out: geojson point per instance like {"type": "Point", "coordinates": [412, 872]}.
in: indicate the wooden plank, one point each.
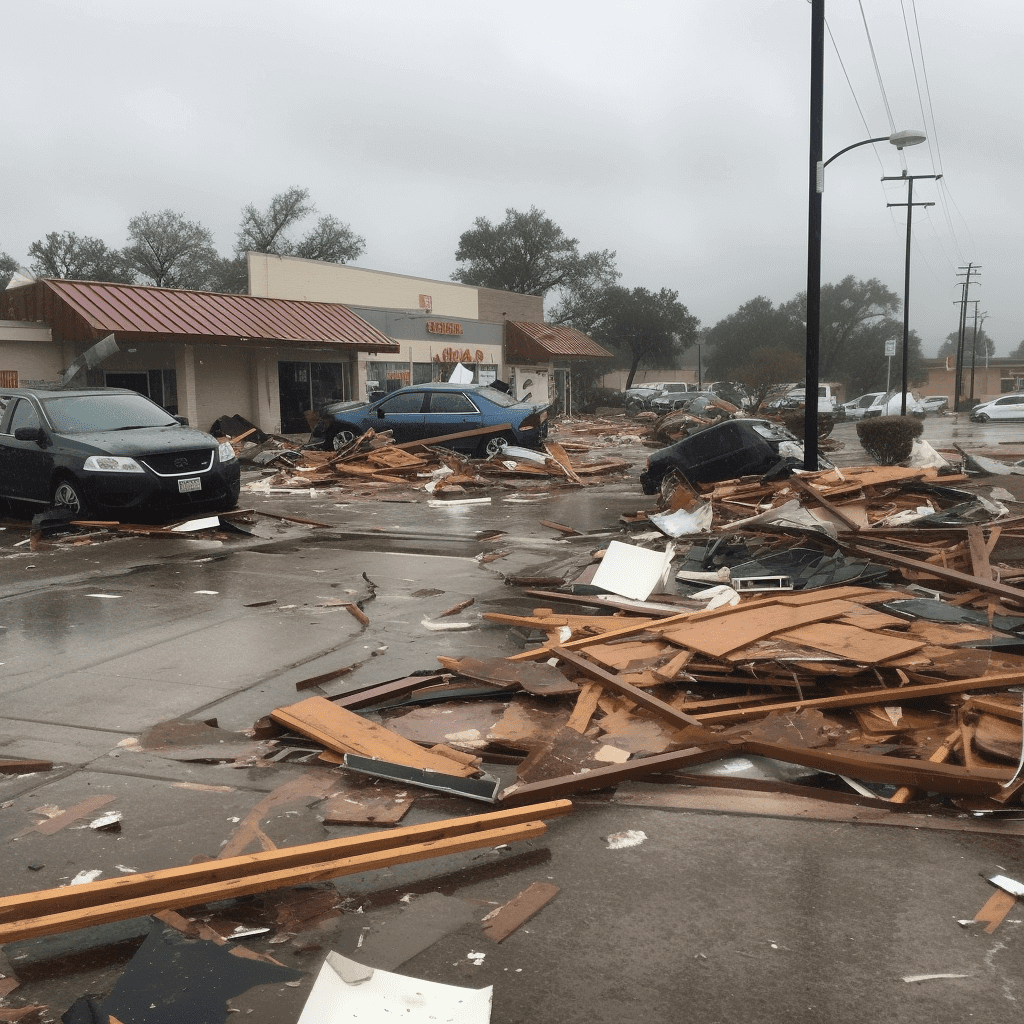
{"type": "Point", "coordinates": [640, 697]}
{"type": "Point", "coordinates": [863, 646]}
{"type": "Point", "coordinates": [501, 923]}
{"type": "Point", "coordinates": [586, 705]}
{"type": "Point", "coordinates": [814, 493]}
{"type": "Point", "coordinates": [23, 766]}
{"type": "Point", "coordinates": [53, 923]}
{"type": "Point", "coordinates": [979, 553]}
{"type": "Point", "coordinates": [718, 638]}
{"type": "Point", "coordinates": [408, 445]}
{"type": "Point", "coordinates": [210, 873]}
{"type": "Point", "coordinates": [941, 572]}
{"type": "Point", "coordinates": [935, 778]}
{"type": "Point", "coordinates": [998, 905]}
{"type": "Point", "coordinates": [883, 695]}
{"type": "Point", "coordinates": [939, 756]}
{"type": "Point", "coordinates": [340, 730]}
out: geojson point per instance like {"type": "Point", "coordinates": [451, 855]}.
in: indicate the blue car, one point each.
{"type": "Point", "coordinates": [426, 411]}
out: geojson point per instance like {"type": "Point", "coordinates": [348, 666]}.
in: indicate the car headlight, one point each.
{"type": "Point", "coordinates": [111, 464]}
{"type": "Point", "coordinates": [225, 452]}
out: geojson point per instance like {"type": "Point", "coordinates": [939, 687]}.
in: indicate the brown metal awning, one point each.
{"type": "Point", "coordinates": [78, 311]}
{"type": "Point", "coordinates": [539, 343]}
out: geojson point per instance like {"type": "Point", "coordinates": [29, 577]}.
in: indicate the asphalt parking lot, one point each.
{"type": "Point", "coordinates": [741, 911]}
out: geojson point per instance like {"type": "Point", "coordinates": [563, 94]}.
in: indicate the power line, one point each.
{"type": "Point", "coordinates": [878, 72]}
{"type": "Point", "coordinates": [917, 83]}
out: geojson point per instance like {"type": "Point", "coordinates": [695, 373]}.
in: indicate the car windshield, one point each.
{"type": "Point", "coordinates": [78, 414]}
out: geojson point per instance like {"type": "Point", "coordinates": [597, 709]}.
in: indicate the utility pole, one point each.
{"type": "Point", "coordinates": [965, 273]}
{"type": "Point", "coordinates": [974, 345]}
{"type": "Point", "coordinates": [909, 204]}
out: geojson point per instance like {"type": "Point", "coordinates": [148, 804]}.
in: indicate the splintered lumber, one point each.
{"type": "Point", "coordinates": [610, 682]}
{"type": "Point", "coordinates": [863, 646]}
{"type": "Point", "coordinates": [64, 909]}
{"type": "Point", "coordinates": [860, 698]}
{"type": "Point", "coordinates": [444, 438]}
{"type": "Point", "coordinates": [930, 776]}
{"type": "Point", "coordinates": [814, 493]}
{"type": "Point", "coordinates": [346, 733]}
{"type": "Point", "coordinates": [598, 778]}
{"type": "Point", "coordinates": [940, 756]}
{"type": "Point", "coordinates": [963, 579]}
{"type": "Point", "coordinates": [499, 924]}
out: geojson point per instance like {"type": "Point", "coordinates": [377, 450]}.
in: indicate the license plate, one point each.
{"type": "Point", "coordinates": [191, 484]}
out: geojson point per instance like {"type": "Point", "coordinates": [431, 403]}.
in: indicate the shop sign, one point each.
{"type": "Point", "coordinates": [459, 355]}
{"type": "Point", "coordinates": [443, 327]}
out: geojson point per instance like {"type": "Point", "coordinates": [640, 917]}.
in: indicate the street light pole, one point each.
{"type": "Point", "coordinates": [817, 185]}
{"type": "Point", "coordinates": [814, 235]}
{"type": "Point", "coordinates": [909, 204]}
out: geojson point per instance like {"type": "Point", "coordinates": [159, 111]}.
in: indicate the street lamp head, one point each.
{"type": "Point", "coordinates": [910, 137]}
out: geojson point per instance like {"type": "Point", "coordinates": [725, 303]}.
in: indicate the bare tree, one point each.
{"type": "Point", "coordinates": [267, 230]}
{"type": "Point", "coordinates": [77, 257]}
{"type": "Point", "coordinates": [768, 369]}
{"type": "Point", "coordinates": [169, 250]}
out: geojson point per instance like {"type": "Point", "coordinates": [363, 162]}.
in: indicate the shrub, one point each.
{"type": "Point", "coordinates": [889, 439]}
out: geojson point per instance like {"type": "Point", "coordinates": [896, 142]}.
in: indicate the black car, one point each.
{"type": "Point", "coordinates": [722, 452]}
{"type": "Point", "coordinates": [109, 452]}
{"type": "Point", "coordinates": [436, 410]}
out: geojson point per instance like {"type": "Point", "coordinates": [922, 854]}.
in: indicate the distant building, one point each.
{"type": "Point", "coordinates": [993, 376]}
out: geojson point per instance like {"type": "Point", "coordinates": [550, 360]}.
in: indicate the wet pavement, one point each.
{"type": "Point", "coordinates": [716, 916]}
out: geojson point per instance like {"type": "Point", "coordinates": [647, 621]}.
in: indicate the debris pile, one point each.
{"type": "Point", "coordinates": [429, 466]}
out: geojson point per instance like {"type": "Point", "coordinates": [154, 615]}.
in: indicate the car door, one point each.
{"type": "Point", "coordinates": [452, 412]}
{"type": "Point", "coordinates": [27, 466]}
{"type": "Point", "coordinates": [402, 414]}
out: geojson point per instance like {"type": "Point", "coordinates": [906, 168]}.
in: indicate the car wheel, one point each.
{"type": "Point", "coordinates": [339, 437]}
{"type": "Point", "coordinates": [67, 497]}
{"type": "Point", "coordinates": [494, 446]}
{"type": "Point", "coordinates": [980, 418]}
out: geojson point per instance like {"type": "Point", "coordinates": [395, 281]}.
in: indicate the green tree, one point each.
{"type": "Point", "coordinates": [867, 368]}
{"type": "Point", "coordinates": [985, 345]}
{"type": "Point", "coordinates": [645, 326]}
{"type": "Point", "coordinates": [757, 324]}
{"type": "Point", "coordinates": [1018, 352]}
{"type": "Point", "coordinates": [78, 258]}
{"type": "Point", "coordinates": [767, 369]}
{"type": "Point", "coordinates": [8, 265]}
{"type": "Point", "coordinates": [851, 312]}
{"type": "Point", "coordinates": [170, 251]}
{"type": "Point", "coordinates": [268, 230]}
{"type": "Point", "coordinates": [529, 253]}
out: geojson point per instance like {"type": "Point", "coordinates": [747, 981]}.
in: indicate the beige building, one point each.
{"type": "Point", "coordinates": [198, 354]}
{"type": "Point", "coordinates": [494, 334]}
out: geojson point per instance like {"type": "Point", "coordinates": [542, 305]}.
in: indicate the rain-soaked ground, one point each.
{"type": "Point", "coordinates": [739, 914]}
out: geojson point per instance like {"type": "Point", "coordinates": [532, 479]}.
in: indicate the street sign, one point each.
{"type": "Point", "coordinates": [890, 347]}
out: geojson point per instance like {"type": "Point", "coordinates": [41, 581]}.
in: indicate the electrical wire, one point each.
{"type": "Point", "coordinates": [917, 86]}
{"type": "Point", "coordinates": [878, 72]}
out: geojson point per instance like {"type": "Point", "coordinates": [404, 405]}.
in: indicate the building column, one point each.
{"type": "Point", "coordinates": [266, 393]}
{"type": "Point", "coordinates": [185, 376]}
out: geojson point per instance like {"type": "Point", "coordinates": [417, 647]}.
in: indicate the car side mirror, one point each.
{"type": "Point", "coordinates": [182, 420]}
{"type": "Point", "coordinates": [30, 434]}
{"type": "Point", "coordinates": [380, 414]}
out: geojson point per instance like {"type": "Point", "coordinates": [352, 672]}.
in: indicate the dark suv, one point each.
{"type": "Point", "coordinates": [109, 452]}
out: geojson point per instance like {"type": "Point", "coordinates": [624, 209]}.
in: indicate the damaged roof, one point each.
{"type": "Point", "coordinates": [530, 343]}
{"type": "Point", "coordinates": [87, 310]}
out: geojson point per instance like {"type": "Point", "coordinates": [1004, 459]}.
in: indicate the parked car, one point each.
{"type": "Point", "coordinates": [935, 403]}
{"type": "Point", "coordinates": [732, 391]}
{"type": "Point", "coordinates": [1005, 407]}
{"type": "Point", "coordinates": [858, 407]}
{"type": "Point", "coordinates": [438, 410]}
{"type": "Point", "coordinates": [639, 398]}
{"type": "Point", "coordinates": [795, 399]}
{"type": "Point", "coordinates": [109, 452]}
{"type": "Point", "coordinates": [726, 450]}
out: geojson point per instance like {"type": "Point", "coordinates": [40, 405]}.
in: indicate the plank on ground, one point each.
{"type": "Point", "coordinates": [344, 732]}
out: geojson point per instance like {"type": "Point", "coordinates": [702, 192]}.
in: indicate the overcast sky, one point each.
{"type": "Point", "coordinates": [673, 132]}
